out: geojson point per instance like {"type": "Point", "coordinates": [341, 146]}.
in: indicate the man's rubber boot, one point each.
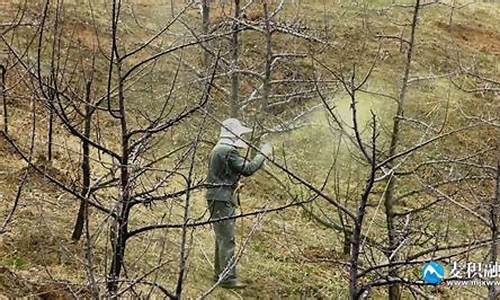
{"type": "Point", "coordinates": [233, 285]}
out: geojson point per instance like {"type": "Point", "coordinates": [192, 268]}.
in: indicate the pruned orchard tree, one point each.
{"type": "Point", "coordinates": [132, 120]}
{"type": "Point", "coordinates": [117, 159]}
{"type": "Point", "coordinates": [414, 189]}
{"type": "Point", "coordinates": [120, 169]}
{"type": "Point", "coordinates": [270, 86]}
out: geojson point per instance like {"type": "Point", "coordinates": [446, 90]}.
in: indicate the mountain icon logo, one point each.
{"type": "Point", "coordinates": [432, 272]}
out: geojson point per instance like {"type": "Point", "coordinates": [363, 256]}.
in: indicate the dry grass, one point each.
{"type": "Point", "coordinates": [288, 255]}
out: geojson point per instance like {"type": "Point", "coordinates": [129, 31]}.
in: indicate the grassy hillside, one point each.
{"type": "Point", "coordinates": [288, 253]}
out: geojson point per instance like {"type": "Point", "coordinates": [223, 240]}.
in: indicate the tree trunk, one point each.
{"type": "Point", "coordinates": [50, 130]}
{"type": "Point", "coordinates": [394, 291]}
{"type": "Point", "coordinates": [356, 243]}
{"type": "Point", "coordinates": [205, 11]}
{"type": "Point", "coordinates": [492, 290]}
{"type": "Point", "coordinates": [357, 240]}
{"type": "Point", "coordinates": [266, 83]}
{"type": "Point", "coordinates": [235, 55]}
{"type": "Point", "coordinates": [266, 88]}
{"type": "Point", "coordinates": [119, 244]}
{"type": "Point", "coordinates": [357, 237]}
{"type": "Point", "coordinates": [3, 92]}
{"type": "Point", "coordinates": [121, 229]}
{"type": "Point", "coordinates": [346, 249]}
{"type": "Point", "coordinates": [83, 211]}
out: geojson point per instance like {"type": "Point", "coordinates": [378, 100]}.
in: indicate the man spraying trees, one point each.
{"type": "Point", "coordinates": [224, 171]}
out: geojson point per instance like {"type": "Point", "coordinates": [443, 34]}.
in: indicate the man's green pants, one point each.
{"type": "Point", "coordinates": [224, 262]}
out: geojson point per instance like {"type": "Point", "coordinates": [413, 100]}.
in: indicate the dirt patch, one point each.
{"type": "Point", "coordinates": [7, 10]}
{"type": "Point", "coordinates": [6, 148]}
{"type": "Point", "coordinates": [318, 254]}
{"type": "Point", "coordinates": [15, 286]}
{"type": "Point", "coordinates": [86, 35]}
{"type": "Point", "coordinates": [480, 38]}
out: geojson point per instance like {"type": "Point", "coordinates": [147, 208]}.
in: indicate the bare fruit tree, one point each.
{"type": "Point", "coordinates": [129, 108]}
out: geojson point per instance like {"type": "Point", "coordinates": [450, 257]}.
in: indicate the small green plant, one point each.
{"type": "Point", "coordinates": [17, 262]}
{"type": "Point", "coordinates": [257, 247]}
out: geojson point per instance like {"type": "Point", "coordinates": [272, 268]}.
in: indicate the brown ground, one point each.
{"type": "Point", "coordinates": [474, 36]}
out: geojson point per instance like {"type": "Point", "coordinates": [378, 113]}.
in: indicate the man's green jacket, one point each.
{"type": "Point", "coordinates": [225, 168]}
